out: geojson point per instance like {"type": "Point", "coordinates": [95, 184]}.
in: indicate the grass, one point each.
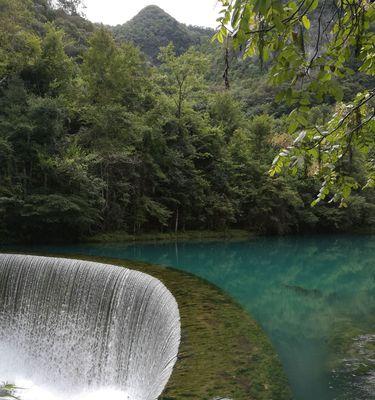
{"type": "Point", "coordinates": [224, 352]}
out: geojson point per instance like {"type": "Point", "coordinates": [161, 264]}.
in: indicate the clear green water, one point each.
{"type": "Point", "coordinates": [312, 295]}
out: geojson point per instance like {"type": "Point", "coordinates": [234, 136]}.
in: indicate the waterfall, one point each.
{"type": "Point", "coordinates": [72, 326]}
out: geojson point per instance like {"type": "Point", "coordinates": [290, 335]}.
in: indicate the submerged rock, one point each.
{"type": "Point", "coordinates": [304, 291]}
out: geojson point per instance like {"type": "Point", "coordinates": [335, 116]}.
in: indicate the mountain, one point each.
{"type": "Point", "coordinates": [153, 28]}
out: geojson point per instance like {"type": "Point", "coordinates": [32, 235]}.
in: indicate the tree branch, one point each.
{"type": "Point", "coordinates": [339, 125]}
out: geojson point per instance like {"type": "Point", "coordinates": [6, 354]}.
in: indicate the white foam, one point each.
{"type": "Point", "coordinates": [30, 391]}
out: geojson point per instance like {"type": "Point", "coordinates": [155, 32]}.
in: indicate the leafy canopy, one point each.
{"type": "Point", "coordinates": [311, 46]}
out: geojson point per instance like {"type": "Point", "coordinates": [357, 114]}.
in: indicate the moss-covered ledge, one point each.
{"type": "Point", "coordinates": [224, 353]}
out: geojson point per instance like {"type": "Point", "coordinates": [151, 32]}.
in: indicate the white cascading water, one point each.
{"type": "Point", "coordinates": [81, 330]}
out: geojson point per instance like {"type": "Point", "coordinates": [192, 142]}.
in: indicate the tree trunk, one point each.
{"type": "Point", "coordinates": [176, 222]}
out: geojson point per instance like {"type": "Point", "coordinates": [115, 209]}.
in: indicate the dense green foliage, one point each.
{"type": "Point", "coordinates": [313, 48]}
{"type": "Point", "coordinates": [95, 139]}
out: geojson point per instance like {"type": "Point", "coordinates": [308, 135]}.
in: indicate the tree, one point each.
{"type": "Point", "coordinates": [53, 70]}
{"type": "Point", "coordinates": [310, 47]}
{"type": "Point", "coordinates": [183, 75]}
{"type": "Point", "coordinates": [19, 45]}
{"type": "Point", "coordinates": [226, 112]}
{"type": "Point", "coordinates": [112, 73]}
{"type": "Point", "coordinates": [114, 97]}
{"type": "Point", "coordinates": [261, 128]}
{"type": "Point", "coordinates": [72, 7]}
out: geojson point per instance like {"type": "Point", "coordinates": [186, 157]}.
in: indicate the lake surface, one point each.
{"type": "Point", "coordinates": [314, 296]}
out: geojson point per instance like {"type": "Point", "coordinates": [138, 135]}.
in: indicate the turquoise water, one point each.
{"type": "Point", "coordinates": [310, 294]}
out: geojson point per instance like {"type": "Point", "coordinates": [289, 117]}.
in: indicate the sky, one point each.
{"type": "Point", "coordinates": [192, 12]}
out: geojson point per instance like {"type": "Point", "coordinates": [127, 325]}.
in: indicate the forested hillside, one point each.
{"type": "Point", "coordinates": [94, 138]}
{"type": "Point", "coordinates": [153, 28]}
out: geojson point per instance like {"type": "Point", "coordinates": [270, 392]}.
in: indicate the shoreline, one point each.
{"type": "Point", "coordinates": [116, 237]}
{"type": "Point", "coordinates": [124, 237]}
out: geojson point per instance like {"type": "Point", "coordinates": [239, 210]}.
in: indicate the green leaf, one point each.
{"type": "Point", "coordinates": [306, 22]}
{"type": "Point", "coordinates": [324, 76]}
{"type": "Point", "coordinates": [293, 126]}
{"type": "Point", "coordinates": [346, 190]}
{"type": "Point", "coordinates": [314, 5]}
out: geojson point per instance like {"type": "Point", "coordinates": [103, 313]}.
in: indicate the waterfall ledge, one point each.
{"type": "Point", "coordinates": [72, 326]}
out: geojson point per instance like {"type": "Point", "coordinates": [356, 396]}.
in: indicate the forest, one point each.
{"type": "Point", "coordinates": [101, 133]}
